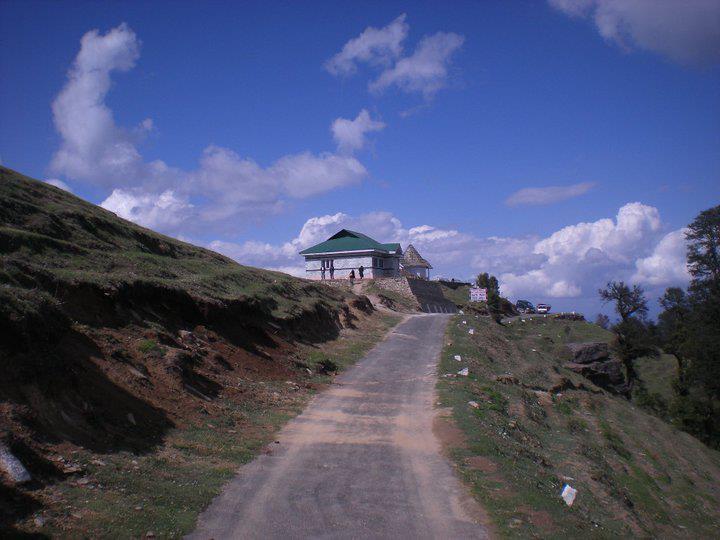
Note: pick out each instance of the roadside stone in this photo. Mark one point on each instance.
(587, 353)
(607, 374)
(464, 372)
(12, 466)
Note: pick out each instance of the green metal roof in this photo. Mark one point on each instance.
(346, 240)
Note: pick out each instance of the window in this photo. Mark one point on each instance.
(378, 262)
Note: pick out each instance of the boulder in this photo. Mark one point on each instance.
(586, 353)
(607, 374)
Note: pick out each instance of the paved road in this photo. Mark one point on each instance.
(360, 462)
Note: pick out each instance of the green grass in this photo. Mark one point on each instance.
(658, 374)
(51, 241)
(459, 296)
(635, 475)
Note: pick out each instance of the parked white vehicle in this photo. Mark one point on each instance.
(543, 308)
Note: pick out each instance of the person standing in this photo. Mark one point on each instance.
(352, 276)
(361, 271)
(322, 271)
(332, 269)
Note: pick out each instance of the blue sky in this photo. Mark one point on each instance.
(591, 105)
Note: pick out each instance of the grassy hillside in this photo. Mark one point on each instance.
(538, 426)
(139, 371)
(53, 241)
(457, 294)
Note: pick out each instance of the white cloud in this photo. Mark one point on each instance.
(686, 31)
(578, 258)
(223, 188)
(58, 184)
(164, 211)
(547, 195)
(426, 70)
(93, 148)
(375, 46)
(571, 263)
(667, 265)
(350, 134)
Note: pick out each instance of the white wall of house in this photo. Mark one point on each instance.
(375, 266)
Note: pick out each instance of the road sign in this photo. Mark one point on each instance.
(478, 295)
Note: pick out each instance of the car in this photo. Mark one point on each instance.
(523, 306)
(543, 308)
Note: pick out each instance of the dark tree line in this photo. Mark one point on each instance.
(688, 327)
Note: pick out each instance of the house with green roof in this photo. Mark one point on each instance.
(347, 251)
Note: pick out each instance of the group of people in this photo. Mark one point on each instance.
(331, 270)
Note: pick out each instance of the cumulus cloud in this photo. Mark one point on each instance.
(223, 187)
(58, 184)
(425, 71)
(667, 265)
(588, 253)
(686, 31)
(375, 46)
(572, 262)
(166, 210)
(547, 195)
(350, 134)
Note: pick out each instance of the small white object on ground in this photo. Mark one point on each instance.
(461, 312)
(522, 320)
(471, 331)
(464, 322)
(568, 494)
(12, 466)
(474, 404)
(464, 372)
(458, 357)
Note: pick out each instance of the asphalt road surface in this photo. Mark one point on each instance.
(360, 462)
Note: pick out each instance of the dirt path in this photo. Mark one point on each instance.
(361, 461)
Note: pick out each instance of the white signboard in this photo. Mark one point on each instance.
(478, 295)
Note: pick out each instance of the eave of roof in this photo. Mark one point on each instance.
(348, 241)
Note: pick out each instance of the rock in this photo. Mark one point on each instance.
(586, 353)
(72, 469)
(458, 357)
(83, 481)
(98, 462)
(607, 374)
(471, 331)
(464, 372)
(39, 521)
(131, 419)
(12, 466)
(474, 404)
(150, 535)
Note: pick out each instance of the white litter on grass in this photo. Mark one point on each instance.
(474, 404)
(471, 331)
(461, 312)
(457, 357)
(568, 494)
(464, 372)
(464, 322)
(522, 320)
(533, 350)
